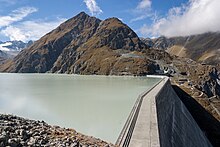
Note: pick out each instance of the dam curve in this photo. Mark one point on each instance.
(160, 119)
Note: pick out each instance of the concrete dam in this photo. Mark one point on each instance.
(160, 119)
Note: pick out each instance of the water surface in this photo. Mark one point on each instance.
(93, 105)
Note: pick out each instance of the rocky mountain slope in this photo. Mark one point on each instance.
(87, 45)
(204, 48)
(195, 73)
(3, 56)
(195, 66)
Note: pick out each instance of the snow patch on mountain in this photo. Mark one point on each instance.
(3, 46)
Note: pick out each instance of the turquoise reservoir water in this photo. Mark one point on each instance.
(94, 105)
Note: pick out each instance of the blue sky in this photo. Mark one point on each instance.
(30, 19)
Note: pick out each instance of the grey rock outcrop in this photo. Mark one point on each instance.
(211, 86)
(18, 132)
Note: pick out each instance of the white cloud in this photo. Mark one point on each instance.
(13, 33)
(16, 15)
(30, 30)
(14, 27)
(142, 10)
(152, 31)
(93, 7)
(195, 17)
(144, 4)
(141, 17)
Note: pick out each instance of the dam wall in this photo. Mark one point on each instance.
(176, 126)
(160, 119)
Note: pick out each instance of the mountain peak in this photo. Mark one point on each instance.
(113, 33)
(113, 22)
(82, 14)
(114, 19)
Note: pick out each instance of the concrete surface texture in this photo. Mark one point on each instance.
(177, 128)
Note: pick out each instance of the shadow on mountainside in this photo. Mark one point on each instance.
(208, 124)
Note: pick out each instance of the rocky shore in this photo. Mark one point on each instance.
(16, 132)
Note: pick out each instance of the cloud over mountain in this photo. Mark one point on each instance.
(30, 30)
(195, 17)
(15, 26)
(93, 7)
(16, 15)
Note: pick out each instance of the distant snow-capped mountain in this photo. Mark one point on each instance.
(14, 46)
